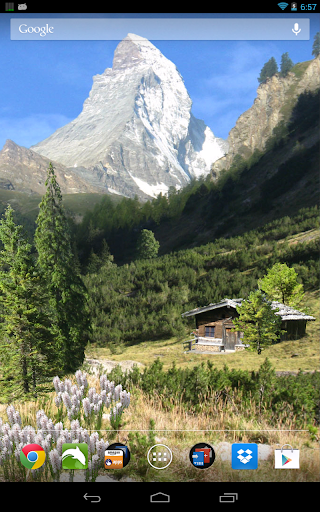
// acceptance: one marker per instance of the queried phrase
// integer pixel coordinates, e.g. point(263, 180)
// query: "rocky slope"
point(23, 170)
point(136, 132)
point(274, 102)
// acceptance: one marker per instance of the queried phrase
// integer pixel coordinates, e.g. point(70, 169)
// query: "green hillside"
point(266, 187)
point(144, 300)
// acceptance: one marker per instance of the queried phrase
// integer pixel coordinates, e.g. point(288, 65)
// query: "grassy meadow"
point(302, 354)
point(147, 421)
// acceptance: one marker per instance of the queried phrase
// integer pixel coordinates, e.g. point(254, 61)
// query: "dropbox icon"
point(244, 456)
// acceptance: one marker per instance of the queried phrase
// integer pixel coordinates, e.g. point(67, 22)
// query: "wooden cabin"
point(214, 324)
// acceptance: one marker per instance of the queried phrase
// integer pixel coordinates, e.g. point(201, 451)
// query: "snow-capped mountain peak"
point(136, 132)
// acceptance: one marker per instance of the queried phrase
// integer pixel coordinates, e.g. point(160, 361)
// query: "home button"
point(160, 497)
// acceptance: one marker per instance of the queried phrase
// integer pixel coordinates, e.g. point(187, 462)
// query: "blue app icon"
point(198, 458)
point(244, 456)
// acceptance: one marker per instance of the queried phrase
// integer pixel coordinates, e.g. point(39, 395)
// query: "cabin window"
point(209, 331)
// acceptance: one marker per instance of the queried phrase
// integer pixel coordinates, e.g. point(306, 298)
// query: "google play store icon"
point(286, 459)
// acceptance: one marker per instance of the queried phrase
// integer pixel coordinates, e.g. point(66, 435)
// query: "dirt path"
point(108, 365)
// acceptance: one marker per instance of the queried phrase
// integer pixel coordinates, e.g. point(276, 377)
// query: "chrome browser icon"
point(32, 456)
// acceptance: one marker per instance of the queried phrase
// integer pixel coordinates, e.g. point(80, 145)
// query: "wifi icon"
point(283, 5)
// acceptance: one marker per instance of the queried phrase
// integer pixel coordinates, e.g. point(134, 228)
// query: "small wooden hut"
point(214, 323)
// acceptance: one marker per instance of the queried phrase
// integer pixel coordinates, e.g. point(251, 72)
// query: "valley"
point(287, 356)
point(76, 290)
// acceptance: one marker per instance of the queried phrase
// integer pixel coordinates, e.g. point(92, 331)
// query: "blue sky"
point(43, 84)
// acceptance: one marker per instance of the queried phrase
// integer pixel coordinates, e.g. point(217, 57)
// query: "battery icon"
point(228, 497)
point(9, 6)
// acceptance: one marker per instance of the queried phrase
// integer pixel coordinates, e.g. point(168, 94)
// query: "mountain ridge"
point(24, 170)
point(274, 103)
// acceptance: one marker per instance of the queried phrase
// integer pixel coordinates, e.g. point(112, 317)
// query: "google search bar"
point(159, 29)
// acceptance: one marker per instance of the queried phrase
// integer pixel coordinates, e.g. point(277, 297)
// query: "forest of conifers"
point(144, 299)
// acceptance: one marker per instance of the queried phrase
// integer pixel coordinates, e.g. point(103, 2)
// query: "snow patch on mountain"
point(150, 190)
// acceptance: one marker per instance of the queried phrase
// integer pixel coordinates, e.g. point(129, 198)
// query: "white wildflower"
point(81, 378)
point(61, 387)
point(58, 429)
point(39, 415)
point(91, 393)
point(67, 434)
point(125, 398)
point(28, 435)
point(75, 425)
point(60, 441)
point(50, 426)
point(66, 400)
point(6, 429)
point(75, 401)
point(58, 399)
point(46, 444)
point(74, 389)
point(93, 439)
point(103, 396)
point(43, 423)
point(10, 413)
point(55, 460)
point(80, 392)
point(104, 383)
point(96, 462)
point(84, 436)
point(78, 376)
point(117, 391)
point(67, 385)
point(16, 418)
point(56, 383)
point(86, 406)
point(38, 438)
point(7, 444)
point(17, 451)
point(96, 408)
point(15, 433)
point(100, 448)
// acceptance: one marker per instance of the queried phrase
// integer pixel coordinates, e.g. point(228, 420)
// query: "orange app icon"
point(113, 459)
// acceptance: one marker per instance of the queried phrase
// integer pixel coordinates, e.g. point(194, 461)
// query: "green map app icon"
point(74, 456)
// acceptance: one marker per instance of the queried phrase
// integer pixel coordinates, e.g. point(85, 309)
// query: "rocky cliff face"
point(24, 170)
point(273, 103)
point(136, 133)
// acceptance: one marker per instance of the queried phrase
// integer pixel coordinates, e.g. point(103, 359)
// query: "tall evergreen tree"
point(286, 64)
point(316, 45)
point(28, 356)
point(258, 321)
point(147, 246)
point(269, 69)
point(67, 292)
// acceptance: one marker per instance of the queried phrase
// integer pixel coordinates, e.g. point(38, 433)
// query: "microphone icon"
point(296, 29)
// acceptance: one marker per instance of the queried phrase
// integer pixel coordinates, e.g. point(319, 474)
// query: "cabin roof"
point(286, 312)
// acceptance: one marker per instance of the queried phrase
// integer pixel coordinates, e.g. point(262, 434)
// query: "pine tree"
point(28, 354)
point(148, 246)
point(258, 321)
point(67, 293)
point(269, 69)
point(286, 64)
point(316, 45)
